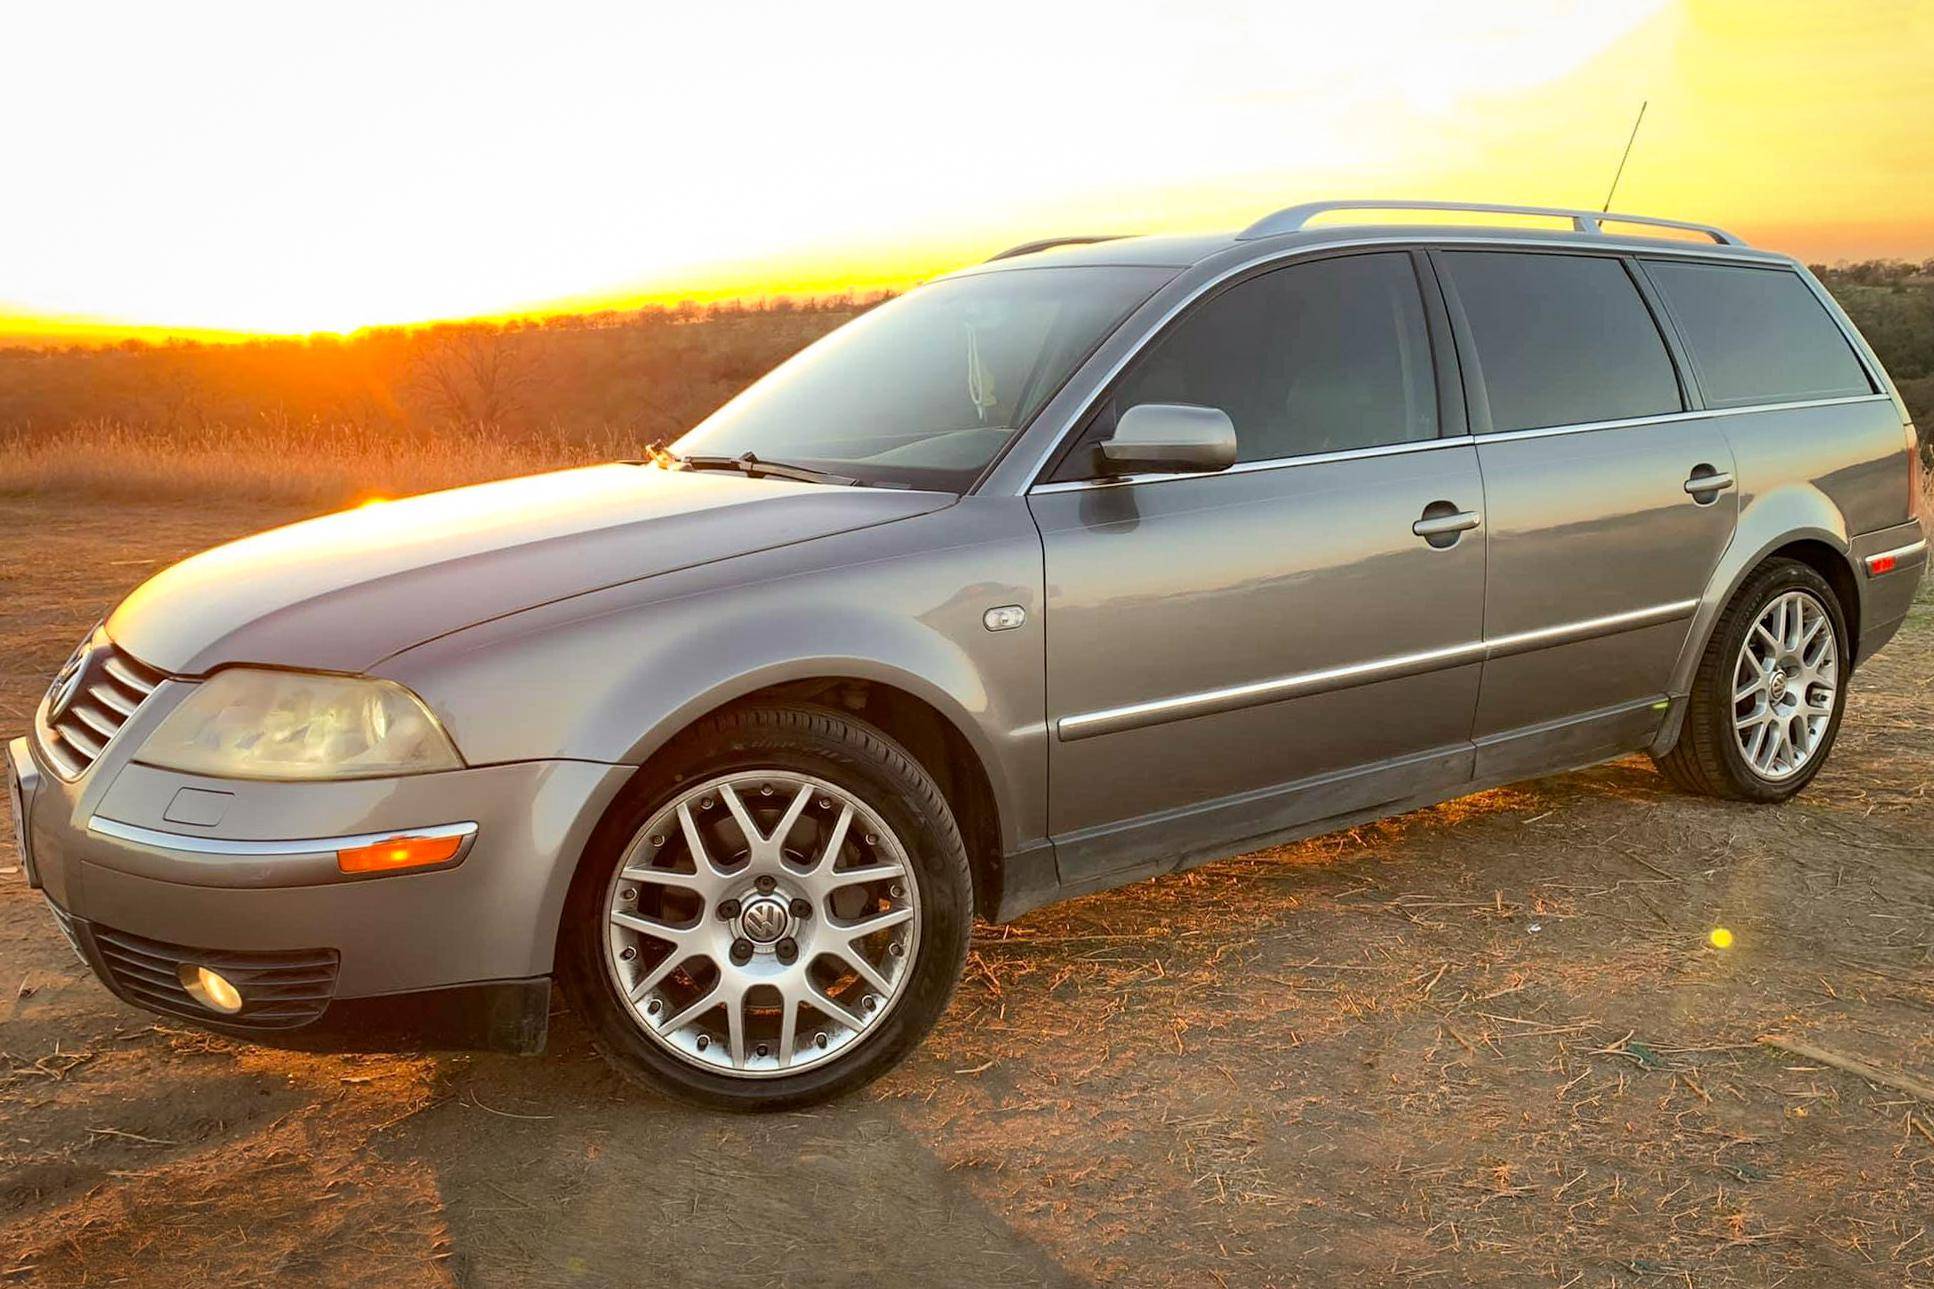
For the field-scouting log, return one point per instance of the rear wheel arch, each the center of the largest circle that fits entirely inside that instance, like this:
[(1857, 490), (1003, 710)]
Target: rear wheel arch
[(1704, 750), (1818, 545), (1814, 543), (1819, 550), (1836, 567)]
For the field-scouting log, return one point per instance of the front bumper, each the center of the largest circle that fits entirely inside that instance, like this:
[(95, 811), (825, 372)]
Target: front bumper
[(291, 1002), (464, 949)]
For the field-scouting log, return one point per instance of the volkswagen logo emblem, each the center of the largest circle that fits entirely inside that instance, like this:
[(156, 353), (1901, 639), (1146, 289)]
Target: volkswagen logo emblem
[(764, 919), (60, 694)]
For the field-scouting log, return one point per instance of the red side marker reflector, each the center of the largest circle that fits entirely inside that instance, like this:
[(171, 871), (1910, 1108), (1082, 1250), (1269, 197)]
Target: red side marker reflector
[(1882, 564), (393, 853)]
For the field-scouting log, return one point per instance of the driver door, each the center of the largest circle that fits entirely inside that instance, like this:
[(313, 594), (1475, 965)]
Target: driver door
[(1234, 654)]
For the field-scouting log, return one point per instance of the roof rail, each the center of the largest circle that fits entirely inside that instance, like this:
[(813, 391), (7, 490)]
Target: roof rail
[(1049, 243), (1292, 219)]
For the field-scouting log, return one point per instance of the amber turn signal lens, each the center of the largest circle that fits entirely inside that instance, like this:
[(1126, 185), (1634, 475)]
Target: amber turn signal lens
[(393, 853)]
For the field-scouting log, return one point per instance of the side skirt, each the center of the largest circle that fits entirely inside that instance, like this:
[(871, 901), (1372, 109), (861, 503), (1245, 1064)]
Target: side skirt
[(1173, 842)]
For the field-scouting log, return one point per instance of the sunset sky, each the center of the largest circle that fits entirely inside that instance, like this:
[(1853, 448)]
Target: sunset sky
[(303, 167)]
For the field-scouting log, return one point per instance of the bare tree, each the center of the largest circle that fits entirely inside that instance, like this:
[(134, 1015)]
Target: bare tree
[(472, 375)]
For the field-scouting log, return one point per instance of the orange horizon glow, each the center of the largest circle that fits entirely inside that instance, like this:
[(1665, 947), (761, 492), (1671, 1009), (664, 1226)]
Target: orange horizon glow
[(244, 171)]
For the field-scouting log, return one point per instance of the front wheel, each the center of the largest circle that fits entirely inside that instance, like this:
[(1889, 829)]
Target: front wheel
[(1767, 698), (777, 915)]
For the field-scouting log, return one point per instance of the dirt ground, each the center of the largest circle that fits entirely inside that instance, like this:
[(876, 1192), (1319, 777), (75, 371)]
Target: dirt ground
[(1487, 1043)]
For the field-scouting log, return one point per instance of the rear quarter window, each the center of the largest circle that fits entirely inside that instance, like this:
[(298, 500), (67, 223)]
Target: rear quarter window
[(1757, 335)]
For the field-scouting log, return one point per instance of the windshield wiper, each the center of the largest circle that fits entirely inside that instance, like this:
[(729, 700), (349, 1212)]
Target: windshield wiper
[(754, 468)]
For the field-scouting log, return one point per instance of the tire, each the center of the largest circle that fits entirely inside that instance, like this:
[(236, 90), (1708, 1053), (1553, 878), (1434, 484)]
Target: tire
[(831, 800), (1708, 757)]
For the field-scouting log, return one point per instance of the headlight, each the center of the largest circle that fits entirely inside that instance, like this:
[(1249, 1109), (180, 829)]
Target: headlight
[(248, 724)]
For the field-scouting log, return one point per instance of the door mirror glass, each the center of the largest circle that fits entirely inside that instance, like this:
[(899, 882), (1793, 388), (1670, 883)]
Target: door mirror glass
[(1169, 437)]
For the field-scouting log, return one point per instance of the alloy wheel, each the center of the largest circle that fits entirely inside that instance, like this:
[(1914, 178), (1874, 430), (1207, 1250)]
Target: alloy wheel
[(1785, 683), (761, 923)]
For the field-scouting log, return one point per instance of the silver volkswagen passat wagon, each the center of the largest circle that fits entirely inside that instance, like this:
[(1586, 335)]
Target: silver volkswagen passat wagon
[(1096, 561)]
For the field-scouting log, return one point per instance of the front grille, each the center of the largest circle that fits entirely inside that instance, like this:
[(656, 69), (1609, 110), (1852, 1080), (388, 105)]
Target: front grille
[(110, 687), (279, 989)]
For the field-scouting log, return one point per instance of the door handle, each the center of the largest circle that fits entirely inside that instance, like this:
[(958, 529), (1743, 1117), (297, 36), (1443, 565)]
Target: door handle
[(1438, 523), (1707, 483)]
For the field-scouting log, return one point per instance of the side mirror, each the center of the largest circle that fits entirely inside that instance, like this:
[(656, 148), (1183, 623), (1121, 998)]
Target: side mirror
[(1168, 437)]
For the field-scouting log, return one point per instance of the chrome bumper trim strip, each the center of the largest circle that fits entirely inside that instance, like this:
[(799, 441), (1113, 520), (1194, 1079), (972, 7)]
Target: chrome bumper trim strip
[(230, 848), (1897, 554)]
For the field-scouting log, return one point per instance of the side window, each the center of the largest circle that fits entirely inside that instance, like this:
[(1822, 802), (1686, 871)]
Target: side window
[(1319, 357), (1757, 335), (1561, 339)]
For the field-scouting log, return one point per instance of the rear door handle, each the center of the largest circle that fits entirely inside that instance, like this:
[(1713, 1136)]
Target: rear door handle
[(1443, 525), (1708, 484)]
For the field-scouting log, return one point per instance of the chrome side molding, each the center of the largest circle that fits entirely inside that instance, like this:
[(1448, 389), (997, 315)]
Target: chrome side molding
[(1162, 711)]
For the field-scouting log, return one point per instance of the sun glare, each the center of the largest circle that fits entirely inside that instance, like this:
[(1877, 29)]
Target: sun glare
[(249, 168)]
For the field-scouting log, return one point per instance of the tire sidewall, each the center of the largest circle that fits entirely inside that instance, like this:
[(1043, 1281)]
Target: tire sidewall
[(742, 744), (1777, 580)]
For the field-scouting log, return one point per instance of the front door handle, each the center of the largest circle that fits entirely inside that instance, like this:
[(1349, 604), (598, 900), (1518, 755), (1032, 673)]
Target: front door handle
[(1442, 522), (1707, 483)]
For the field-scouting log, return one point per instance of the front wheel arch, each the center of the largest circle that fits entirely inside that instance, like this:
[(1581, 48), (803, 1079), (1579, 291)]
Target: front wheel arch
[(928, 734)]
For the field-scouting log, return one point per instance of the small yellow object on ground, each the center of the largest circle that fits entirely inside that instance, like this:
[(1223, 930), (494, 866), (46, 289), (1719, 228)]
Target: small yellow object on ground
[(1721, 938)]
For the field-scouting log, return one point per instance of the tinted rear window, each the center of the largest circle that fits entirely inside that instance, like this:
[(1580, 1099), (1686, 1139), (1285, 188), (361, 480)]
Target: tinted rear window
[(1562, 339), (1757, 335)]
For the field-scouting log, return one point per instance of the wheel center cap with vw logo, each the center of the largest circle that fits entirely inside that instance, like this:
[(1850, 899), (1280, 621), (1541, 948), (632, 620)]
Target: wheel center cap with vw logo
[(764, 919), (1779, 684)]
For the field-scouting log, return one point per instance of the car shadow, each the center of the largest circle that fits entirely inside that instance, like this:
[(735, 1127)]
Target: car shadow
[(556, 1171)]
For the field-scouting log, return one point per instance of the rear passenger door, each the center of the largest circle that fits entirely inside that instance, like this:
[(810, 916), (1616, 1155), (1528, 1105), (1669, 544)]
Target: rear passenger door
[(1608, 504)]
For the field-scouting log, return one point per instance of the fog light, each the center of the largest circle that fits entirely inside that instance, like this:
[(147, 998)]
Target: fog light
[(211, 989)]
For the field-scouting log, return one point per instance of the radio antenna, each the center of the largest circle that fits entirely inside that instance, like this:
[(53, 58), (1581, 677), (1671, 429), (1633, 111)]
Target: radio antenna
[(1624, 157)]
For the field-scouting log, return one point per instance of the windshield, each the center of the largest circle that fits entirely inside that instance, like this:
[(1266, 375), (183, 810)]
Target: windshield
[(927, 389)]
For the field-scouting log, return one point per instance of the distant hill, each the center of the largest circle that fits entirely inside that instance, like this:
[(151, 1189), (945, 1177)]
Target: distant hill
[(1892, 302)]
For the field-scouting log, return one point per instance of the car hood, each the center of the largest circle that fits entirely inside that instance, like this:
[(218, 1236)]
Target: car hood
[(344, 591)]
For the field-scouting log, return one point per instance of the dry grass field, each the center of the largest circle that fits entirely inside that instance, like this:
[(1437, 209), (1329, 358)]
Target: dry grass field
[(1487, 1043), (344, 464), (329, 421)]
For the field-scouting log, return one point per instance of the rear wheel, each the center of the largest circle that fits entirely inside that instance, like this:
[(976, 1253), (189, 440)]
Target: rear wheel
[(1767, 698), (776, 916)]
